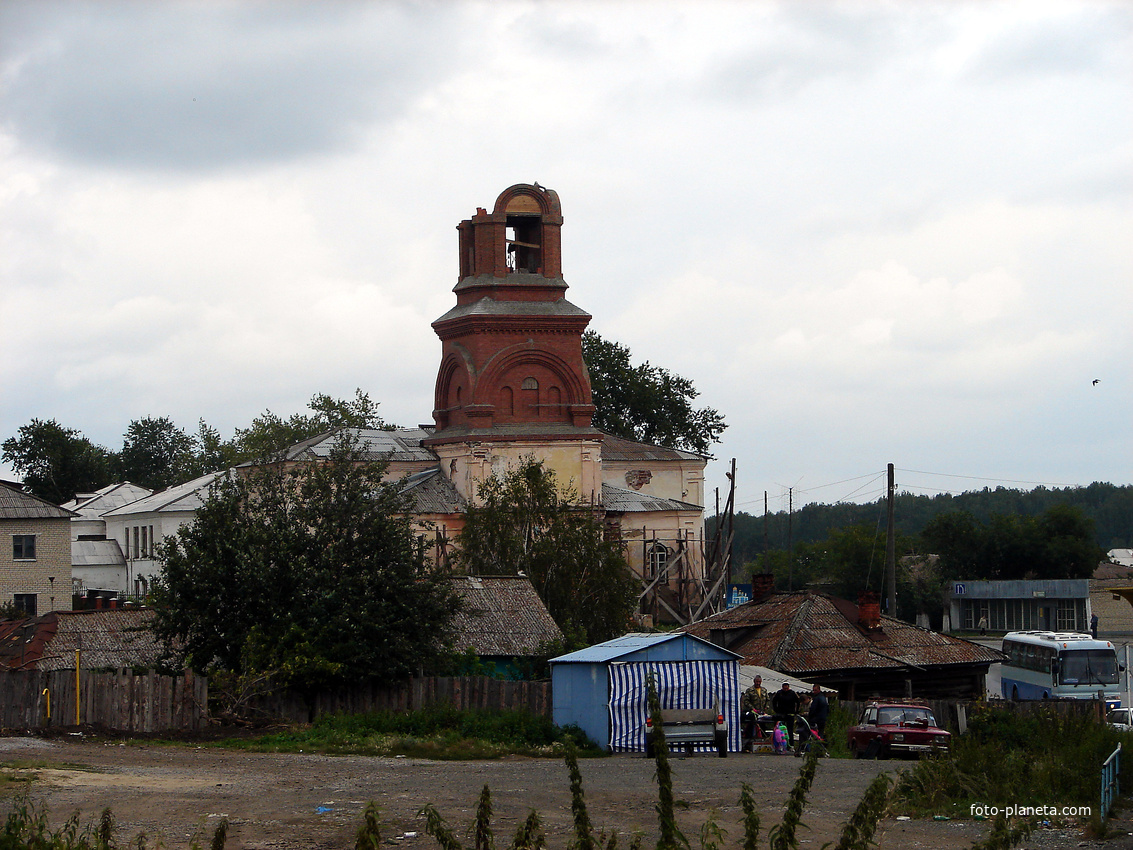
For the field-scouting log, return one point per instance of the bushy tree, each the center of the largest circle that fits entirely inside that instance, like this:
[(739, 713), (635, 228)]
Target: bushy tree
[(525, 523), (312, 573), (270, 434), (156, 454), (1058, 543), (646, 403), (57, 462)]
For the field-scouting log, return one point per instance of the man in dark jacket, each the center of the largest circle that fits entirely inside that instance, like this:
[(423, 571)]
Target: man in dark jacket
[(785, 705), (819, 710)]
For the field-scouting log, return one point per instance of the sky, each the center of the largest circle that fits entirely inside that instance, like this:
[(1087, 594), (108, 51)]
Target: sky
[(868, 232)]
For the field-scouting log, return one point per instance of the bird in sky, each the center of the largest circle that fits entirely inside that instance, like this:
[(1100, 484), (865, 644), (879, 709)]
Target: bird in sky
[(1097, 381)]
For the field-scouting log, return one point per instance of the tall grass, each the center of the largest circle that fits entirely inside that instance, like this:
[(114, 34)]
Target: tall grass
[(1041, 759), (439, 732)]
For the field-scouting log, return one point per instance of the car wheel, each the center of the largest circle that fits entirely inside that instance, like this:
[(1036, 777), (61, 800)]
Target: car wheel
[(873, 749), (1014, 693)]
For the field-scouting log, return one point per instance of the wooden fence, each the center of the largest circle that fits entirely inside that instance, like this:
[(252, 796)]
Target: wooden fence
[(122, 701), (461, 692)]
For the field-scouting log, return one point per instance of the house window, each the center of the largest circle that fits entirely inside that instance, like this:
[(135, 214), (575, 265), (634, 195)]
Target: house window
[(145, 542), (137, 550), (658, 558), (23, 547), (25, 602)]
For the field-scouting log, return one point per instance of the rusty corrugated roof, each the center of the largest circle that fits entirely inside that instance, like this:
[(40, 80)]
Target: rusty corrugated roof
[(502, 616), (807, 633)]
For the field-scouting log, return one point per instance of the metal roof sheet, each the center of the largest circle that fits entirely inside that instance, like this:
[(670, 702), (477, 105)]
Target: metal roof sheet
[(96, 553), (619, 448), (630, 501), (16, 504), (371, 443), (183, 497), (432, 493), (93, 505), (108, 639), (628, 644)]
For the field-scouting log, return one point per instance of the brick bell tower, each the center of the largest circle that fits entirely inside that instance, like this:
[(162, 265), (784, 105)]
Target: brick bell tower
[(512, 380)]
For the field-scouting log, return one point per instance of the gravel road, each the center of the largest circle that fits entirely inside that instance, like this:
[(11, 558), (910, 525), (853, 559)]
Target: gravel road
[(179, 793)]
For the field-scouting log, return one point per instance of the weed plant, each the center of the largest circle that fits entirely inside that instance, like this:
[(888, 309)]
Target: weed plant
[(440, 732), (26, 828), (1005, 758)]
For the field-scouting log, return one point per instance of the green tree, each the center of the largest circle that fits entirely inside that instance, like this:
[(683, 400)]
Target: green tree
[(646, 403), (270, 434), (525, 523), (56, 462), (313, 573), (156, 454)]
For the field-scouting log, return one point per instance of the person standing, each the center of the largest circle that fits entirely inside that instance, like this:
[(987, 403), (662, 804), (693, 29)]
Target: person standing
[(1094, 626), (819, 710), (785, 705)]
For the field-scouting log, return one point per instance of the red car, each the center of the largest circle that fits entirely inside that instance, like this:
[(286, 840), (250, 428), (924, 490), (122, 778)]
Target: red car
[(890, 729)]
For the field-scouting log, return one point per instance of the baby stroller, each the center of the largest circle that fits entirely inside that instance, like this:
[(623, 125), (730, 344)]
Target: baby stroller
[(806, 736)]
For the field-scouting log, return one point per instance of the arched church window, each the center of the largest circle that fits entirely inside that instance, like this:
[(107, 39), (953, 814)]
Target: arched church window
[(507, 401), (530, 384), (658, 556), (524, 252)]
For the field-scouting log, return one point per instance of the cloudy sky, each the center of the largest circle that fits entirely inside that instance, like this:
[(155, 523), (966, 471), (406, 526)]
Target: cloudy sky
[(868, 232)]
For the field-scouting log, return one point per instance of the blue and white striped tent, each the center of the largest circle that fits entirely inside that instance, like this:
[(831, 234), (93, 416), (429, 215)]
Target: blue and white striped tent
[(602, 688)]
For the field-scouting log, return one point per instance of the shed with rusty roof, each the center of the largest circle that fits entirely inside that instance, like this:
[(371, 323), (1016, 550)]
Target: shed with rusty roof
[(852, 648)]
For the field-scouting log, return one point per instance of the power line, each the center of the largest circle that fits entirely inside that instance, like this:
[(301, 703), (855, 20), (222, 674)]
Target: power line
[(978, 478)]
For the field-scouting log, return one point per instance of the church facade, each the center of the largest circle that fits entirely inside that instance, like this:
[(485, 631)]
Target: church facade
[(512, 385)]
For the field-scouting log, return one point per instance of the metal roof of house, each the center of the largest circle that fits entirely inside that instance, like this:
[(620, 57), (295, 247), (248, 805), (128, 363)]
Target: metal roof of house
[(502, 616), (93, 505), (107, 640), (805, 633), (96, 553), (183, 497), (628, 644), (630, 501), (16, 504), (432, 493)]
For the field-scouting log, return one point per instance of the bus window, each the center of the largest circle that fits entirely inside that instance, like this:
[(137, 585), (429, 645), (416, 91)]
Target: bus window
[(1089, 667)]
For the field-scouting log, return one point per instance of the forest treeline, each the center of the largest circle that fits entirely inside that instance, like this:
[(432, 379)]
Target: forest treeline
[(1109, 506)]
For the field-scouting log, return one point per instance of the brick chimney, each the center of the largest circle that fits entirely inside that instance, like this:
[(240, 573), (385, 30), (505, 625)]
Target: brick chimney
[(762, 586), (869, 611)]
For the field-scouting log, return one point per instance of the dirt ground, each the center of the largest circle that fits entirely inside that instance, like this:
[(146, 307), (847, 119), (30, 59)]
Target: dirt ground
[(313, 801)]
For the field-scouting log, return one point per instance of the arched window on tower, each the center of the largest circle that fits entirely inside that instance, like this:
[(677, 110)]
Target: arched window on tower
[(524, 248), (507, 401)]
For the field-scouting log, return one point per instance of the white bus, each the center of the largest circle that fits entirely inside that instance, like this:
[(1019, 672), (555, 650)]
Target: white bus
[(1059, 665)]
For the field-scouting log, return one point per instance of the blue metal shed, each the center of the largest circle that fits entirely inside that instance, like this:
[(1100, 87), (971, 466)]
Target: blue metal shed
[(602, 689)]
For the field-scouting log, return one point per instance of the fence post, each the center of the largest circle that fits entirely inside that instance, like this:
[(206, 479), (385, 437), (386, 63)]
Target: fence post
[(1111, 781)]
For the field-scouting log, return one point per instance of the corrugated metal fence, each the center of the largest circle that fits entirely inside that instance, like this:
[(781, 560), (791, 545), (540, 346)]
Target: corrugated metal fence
[(462, 692), (123, 701)]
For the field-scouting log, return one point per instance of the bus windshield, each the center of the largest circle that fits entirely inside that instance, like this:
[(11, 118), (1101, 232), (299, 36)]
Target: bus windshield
[(1088, 667)]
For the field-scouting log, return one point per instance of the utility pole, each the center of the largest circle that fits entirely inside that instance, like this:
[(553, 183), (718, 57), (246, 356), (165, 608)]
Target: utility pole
[(790, 529), (891, 547), (766, 545)]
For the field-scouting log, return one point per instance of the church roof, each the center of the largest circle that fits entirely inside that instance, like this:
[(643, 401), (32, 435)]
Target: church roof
[(403, 444), (619, 448), (617, 500), (432, 493)]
